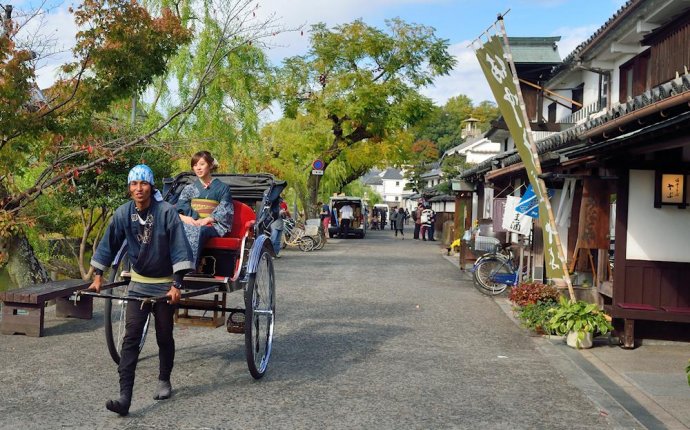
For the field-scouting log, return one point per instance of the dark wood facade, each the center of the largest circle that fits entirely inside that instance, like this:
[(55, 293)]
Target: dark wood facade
[(670, 50)]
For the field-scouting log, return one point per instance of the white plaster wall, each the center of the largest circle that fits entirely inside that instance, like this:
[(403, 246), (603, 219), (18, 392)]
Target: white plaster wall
[(655, 234), (483, 152), (591, 91)]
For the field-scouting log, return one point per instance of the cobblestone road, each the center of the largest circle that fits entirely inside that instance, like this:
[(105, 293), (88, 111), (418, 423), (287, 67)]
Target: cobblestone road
[(374, 333)]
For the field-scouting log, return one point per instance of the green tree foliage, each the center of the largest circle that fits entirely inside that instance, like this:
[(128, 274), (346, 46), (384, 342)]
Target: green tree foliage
[(364, 82), (445, 124), (118, 52), (227, 58), (122, 51)]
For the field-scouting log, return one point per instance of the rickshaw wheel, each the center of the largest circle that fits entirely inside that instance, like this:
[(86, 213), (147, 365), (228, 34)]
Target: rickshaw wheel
[(259, 299), (115, 314)]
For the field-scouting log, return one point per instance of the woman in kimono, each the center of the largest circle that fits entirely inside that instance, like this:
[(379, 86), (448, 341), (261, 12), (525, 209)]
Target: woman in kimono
[(205, 206)]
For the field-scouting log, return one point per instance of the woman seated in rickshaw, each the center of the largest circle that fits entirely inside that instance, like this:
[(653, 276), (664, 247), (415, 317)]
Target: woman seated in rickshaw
[(205, 206)]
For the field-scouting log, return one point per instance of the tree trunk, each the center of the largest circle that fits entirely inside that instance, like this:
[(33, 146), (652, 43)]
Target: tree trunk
[(313, 195), (23, 267)]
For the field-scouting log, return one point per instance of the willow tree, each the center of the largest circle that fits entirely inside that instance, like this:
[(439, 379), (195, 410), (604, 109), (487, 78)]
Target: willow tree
[(227, 116), (365, 82), (121, 49)]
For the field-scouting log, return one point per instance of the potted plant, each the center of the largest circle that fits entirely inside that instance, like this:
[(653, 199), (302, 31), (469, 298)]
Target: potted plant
[(578, 321), (532, 292), (532, 301)]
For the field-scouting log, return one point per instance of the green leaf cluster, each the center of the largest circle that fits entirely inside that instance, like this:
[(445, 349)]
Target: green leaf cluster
[(536, 316), (578, 316), (365, 83)]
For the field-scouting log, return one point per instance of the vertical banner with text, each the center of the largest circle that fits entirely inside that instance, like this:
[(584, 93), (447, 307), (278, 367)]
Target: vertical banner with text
[(498, 73)]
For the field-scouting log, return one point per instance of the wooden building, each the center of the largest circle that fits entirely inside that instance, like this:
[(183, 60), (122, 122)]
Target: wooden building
[(622, 159)]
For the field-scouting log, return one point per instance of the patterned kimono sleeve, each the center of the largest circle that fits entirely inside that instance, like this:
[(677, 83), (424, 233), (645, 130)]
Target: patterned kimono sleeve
[(180, 251), (184, 203), (224, 213), (111, 242)]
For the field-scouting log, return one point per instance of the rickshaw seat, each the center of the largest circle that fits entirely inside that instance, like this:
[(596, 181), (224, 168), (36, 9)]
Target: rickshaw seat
[(242, 221)]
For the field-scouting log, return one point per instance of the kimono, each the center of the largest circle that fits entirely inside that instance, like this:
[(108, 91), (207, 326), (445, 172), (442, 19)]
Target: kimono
[(157, 246), (199, 201)]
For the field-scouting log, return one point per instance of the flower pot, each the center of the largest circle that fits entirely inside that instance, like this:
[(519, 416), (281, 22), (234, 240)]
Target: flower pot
[(574, 341)]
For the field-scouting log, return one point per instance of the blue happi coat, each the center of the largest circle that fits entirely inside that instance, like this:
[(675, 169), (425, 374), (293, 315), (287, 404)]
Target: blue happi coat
[(157, 250)]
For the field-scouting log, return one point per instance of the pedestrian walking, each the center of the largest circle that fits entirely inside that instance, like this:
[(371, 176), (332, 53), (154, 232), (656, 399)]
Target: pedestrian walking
[(346, 214), (325, 217), (425, 221), (416, 216), (278, 225), (432, 224), (160, 256), (399, 223)]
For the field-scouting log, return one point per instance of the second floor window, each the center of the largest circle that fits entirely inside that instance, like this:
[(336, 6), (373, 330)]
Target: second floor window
[(551, 116), (397, 183), (604, 90), (578, 93), (633, 77)]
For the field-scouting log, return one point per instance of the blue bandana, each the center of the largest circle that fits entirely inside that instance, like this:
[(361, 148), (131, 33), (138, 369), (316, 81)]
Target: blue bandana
[(140, 172)]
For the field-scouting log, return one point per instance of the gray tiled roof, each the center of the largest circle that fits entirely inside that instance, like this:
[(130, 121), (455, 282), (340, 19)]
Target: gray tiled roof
[(627, 7), (573, 135), (392, 173), (535, 49)]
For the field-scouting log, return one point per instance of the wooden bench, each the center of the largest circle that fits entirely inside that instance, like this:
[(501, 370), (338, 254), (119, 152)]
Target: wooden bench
[(24, 308), (629, 312)]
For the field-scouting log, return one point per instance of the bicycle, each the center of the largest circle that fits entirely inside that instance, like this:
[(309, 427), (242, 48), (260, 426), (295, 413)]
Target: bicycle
[(495, 270), (294, 234)]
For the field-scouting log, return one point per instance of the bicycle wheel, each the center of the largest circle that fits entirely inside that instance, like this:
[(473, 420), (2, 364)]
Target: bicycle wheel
[(487, 273), (320, 242), (116, 314), (306, 244), (259, 300)]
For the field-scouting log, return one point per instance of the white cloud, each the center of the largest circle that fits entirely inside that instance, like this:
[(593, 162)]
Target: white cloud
[(52, 36), (467, 78), (293, 14), (571, 37)]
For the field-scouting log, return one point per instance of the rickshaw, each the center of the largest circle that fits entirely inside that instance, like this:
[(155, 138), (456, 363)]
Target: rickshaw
[(241, 260)]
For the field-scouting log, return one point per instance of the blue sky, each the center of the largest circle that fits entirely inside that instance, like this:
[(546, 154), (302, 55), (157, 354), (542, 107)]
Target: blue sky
[(459, 21)]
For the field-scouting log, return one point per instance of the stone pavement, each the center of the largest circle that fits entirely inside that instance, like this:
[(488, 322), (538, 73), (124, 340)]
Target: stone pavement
[(649, 382), (374, 333)]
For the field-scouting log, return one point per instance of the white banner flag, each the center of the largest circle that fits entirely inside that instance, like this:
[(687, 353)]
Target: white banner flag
[(514, 221)]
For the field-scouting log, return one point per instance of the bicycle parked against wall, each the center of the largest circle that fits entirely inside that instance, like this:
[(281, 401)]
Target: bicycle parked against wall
[(495, 270)]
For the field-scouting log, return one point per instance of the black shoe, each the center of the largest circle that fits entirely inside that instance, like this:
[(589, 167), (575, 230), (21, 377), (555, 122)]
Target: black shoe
[(164, 390), (119, 406)]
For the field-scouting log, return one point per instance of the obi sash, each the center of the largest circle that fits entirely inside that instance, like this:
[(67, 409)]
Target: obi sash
[(204, 207)]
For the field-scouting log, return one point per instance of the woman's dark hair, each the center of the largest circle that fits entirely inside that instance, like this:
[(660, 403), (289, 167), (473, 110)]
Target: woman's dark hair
[(207, 158)]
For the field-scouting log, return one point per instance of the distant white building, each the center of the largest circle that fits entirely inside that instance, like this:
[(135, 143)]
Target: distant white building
[(389, 184), (475, 149)]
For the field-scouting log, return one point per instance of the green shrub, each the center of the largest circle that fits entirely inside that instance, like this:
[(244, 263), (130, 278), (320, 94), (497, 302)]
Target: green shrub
[(579, 316), (535, 316), (532, 293)]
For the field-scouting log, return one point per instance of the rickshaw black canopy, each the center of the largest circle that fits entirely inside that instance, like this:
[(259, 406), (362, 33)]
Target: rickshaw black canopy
[(244, 187)]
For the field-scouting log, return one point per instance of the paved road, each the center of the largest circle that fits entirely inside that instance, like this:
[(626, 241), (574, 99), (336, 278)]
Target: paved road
[(374, 333)]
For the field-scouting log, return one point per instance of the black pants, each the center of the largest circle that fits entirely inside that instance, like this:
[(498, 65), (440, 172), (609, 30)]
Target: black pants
[(134, 327), (416, 230), (344, 227)]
